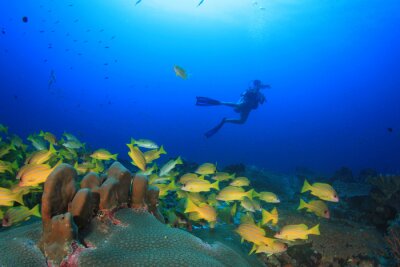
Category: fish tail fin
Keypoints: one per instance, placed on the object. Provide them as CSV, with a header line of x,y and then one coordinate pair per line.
x,y
162,150
41,133
35,211
201,177
266,216
306,186
249,194
215,185
130,146
133,141
190,206
314,230
19,197
179,160
302,204
52,149
114,156
255,194
172,185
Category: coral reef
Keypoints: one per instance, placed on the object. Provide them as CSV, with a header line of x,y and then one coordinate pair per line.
x,y
72,235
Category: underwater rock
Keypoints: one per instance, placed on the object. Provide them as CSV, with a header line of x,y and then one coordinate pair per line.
x,y
108,192
81,207
344,174
58,243
91,180
141,240
123,176
139,189
59,190
367,174
152,200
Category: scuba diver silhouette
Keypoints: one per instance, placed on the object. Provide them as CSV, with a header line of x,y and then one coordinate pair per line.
x,y
249,100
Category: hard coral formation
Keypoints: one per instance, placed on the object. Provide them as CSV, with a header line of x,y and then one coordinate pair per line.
x,y
72,235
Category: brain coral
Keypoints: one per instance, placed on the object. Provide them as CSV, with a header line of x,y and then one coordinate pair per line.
x,y
141,240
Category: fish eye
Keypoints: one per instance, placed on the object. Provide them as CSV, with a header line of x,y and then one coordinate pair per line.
x,y
335,196
325,211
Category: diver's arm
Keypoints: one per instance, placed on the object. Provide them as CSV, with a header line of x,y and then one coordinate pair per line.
x,y
230,104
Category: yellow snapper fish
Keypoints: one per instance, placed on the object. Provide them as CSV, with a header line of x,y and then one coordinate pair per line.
x,y
247,204
199,185
155,179
269,216
149,171
205,212
137,157
69,154
222,176
37,142
297,231
188,177
206,169
70,137
154,154
144,143
19,214
9,167
3,129
256,204
49,137
102,154
321,190
169,166
270,249
84,167
72,144
32,175
268,197
240,181
41,156
254,234
179,71
165,188
231,193
318,207
8,197
197,198
16,141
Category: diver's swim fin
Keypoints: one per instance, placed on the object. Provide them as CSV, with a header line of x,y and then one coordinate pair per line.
x,y
215,129
205,101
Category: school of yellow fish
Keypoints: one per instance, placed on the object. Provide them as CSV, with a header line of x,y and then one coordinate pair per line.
x,y
204,196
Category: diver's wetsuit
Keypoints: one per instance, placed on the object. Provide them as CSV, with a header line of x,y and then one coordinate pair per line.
x,y
250,99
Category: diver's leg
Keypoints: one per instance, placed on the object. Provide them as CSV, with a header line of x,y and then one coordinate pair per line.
x,y
241,120
230,104
215,129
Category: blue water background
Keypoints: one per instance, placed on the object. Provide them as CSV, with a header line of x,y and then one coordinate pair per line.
x,y
334,68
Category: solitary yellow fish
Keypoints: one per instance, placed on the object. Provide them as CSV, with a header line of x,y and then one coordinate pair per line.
x,y
137,157
297,231
318,207
102,154
269,216
231,193
206,169
19,214
179,71
321,190
199,185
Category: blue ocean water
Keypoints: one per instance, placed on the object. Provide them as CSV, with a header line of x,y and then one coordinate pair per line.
x,y
333,67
